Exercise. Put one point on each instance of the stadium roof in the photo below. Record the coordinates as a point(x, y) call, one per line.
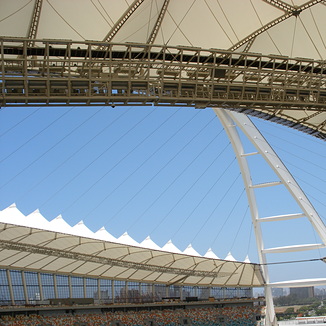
point(283, 28)
point(34, 244)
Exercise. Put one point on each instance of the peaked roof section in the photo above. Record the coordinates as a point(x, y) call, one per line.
point(149, 243)
point(169, 246)
point(103, 234)
point(58, 224)
point(210, 254)
point(55, 248)
point(191, 251)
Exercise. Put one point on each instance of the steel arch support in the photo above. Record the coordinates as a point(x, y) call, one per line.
point(230, 120)
point(226, 118)
point(257, 139)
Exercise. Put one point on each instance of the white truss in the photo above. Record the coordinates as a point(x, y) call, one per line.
point(230, 121)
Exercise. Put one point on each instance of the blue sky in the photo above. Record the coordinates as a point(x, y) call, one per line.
point(166, 172)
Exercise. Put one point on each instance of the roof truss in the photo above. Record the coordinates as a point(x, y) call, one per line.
point(280, 5)
point(295, 12)
point(35, 22)
point(158, 23)
point(126, 15)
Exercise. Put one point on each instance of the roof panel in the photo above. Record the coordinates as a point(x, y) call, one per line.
point(15, 259)
point(58, 264)
point(81, 267)
point(39, 263)
point(139, 26)
point(5, 253)
point(15, 14)
point(62, 242)
point(99, 271)
point(84, 256)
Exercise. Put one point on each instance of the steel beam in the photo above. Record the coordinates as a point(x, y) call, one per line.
point(34, 22)
point(295, 12)
point(158, 22)
point(71, 73)
point(126, 15)
point(280, 5)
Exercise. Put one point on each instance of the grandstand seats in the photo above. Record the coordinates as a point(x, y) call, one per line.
point(228, 316)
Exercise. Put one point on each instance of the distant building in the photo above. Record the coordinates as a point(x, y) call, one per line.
point(278, 292)
point(320, 292)
point(104, 295)
point(304, 292)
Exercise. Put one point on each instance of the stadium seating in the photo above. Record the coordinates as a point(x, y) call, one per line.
point(227, 316)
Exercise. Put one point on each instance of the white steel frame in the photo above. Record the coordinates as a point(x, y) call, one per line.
point(230, 120)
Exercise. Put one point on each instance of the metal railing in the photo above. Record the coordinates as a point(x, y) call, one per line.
point(55, 72)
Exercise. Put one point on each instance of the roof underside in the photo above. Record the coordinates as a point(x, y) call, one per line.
point(288, 28)
point(265, 26)
point(74, 252)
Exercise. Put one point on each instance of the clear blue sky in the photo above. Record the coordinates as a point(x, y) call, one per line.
point(169, 173)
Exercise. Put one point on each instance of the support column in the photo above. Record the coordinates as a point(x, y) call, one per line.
point(10, 287)
point(24, 287)
point(153, 292)
point(40, 286)
point(70, 286)
point(113, 294)
point(126, 292)
point(55, 286)
point(99, 293)
point(84, 284)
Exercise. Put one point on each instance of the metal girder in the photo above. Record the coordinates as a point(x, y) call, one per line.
point(249, 44)
point(280, 5)
point(34, 22)
point(309, 116)
point(120, 22)
point(272, 87)
point(310, 4)
point(295, 12)
point(260, 31)
point(158, 22)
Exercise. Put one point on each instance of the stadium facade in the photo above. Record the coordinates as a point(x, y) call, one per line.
point(33, 288)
